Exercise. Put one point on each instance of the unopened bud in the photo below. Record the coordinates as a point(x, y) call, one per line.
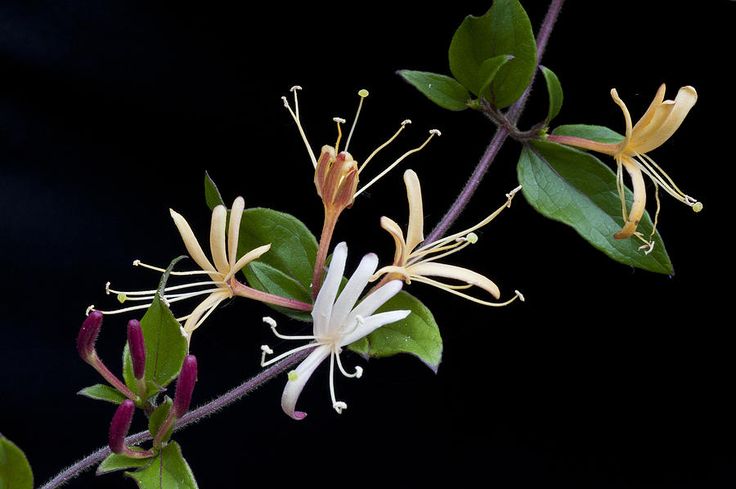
point(88, 335)
point(137, 348)
point(120, 426)
point(185, 386)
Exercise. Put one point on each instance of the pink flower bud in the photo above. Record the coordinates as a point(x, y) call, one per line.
point(137, 348)
point(120, 425)
point(185, 386)
point(88, 335)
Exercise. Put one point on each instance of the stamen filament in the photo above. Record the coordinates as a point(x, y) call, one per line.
point(358, 369)
point(286, 354)
point(272, 323)
point(453, 290)
point(205, 315)
point(432, 133)
point(153, 292)
point(295, 116)
point(458, 245)
point(138, 263)
point(621, 190)
point(390, 140)
point(362, 94)
point(650, 167)
point(337, 405)
point(339, 121)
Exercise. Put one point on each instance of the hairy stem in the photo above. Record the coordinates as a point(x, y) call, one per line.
point(191, 417)
point(501, 135)
point(328, 228)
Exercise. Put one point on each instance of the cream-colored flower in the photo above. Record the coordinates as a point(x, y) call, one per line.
point(414, 261)
point(656, 126)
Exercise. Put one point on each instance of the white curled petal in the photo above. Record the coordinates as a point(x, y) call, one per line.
point(432, 269)
point(217, 238)
point(352, 290)
point(322, 309)
point(190, 242)
point(298, 379)
point(372, 323)
point(375, 300)
point(236, 215)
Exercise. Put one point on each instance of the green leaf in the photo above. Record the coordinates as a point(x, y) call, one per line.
point(488, 71)
point(577, 189)
point(102, 392)
point(15, 471)
point(115, 462)
point(158, 416)
point(211, 192)
point(169, 470)
point(503, 30)
point(264, 277)
point(166, 348)
point(417, 334)
point(443, 90)
point(600, 134)
point(294, 246)
point(554, 90)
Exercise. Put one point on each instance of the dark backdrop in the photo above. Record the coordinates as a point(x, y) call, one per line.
point(111, 111)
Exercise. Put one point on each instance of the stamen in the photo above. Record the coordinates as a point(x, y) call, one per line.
point(339, 406)
point(358, 370)
point(621, 189)
point(138, 263)
point(339, 121)
point(453, 290)
point(286, 354)
point(297, 121)
point(404, 123)
point(362, 94)
point(658, 175)
point(265, 350)
point(151, 293)
point(656, 217)
point(432, 133)
point(272, 323)
point(458, 245)
point(118, 311)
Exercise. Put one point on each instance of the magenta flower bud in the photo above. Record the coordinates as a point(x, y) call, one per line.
point(137, 348)
point(120, 426)
point(185, 386)
point(88, 335)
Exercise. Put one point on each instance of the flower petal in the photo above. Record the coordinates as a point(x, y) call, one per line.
point(415, 231)
point(217, 238)
point(646, 119)
point(627, 118)
point(298, 379)
point(372, 323)
point(676, 111)
point(210, 302)
point(639, 203)
point(375, 300)
point(351, 292)
point(236, 215)
point(431, 269)
point(253, 254)
point(401, 251)
point(322, 309)
point(191, 243)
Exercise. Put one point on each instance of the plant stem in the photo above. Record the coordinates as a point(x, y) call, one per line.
point(328, 228)
point(501, 135)
point(191, 417)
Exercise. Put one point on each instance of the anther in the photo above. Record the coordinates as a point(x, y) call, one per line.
point(107, 288)
point(270, 321)
point(471, 238)
point(339, 406)
point(295, 88)
point(89, 309)
point(405, 122)
point(339, 120)
point(697, 206)
point(358, 372)
point(362, 93)
point(266, 349)
point(435, 132)
point(520, 296)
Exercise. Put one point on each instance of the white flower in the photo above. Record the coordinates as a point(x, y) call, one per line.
point(338, 322)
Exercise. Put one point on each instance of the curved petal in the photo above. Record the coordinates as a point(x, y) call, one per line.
point(298, 379)
point(372, 323)
point(677, 111)
point(401, 252)
point(253, 254)
point(375, 300)
point(651, 111)
point(401, 271)
point(431, 269)
point(351, 292)
point(191, 243)
point(322, 309)
point(236, 215)
point(217, 238)
point(627, 118)
point(639, 203)
point(210, 302)
point(415, 231)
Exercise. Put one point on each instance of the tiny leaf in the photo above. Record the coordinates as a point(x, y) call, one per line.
point(443, 90)
point(166, 348)
point(488, 71)
point(168, 470)
point(600, 134)
point(102, 392)
point(503, 30)
point(417, 334)
point(576, 188)
point(211, 192)
point(158, 416)
point(263, 276)
point(554, 90)
point(115, 462)
point(15, 471)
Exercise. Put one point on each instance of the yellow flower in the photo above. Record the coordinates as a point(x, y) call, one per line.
point(413, 262)
point(656, 126)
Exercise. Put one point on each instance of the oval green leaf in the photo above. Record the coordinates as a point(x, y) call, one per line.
point(15, 471)
point(503, 30)
point(266, 278)
point(115, 462)
point(168, 470)
point(102, 392)
point(577, 189)
point(417, 334)
point(554, 92)
point(158, 416)
point(443, 90)
point(600, 134)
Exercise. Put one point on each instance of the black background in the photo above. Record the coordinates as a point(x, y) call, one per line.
point(607, 377)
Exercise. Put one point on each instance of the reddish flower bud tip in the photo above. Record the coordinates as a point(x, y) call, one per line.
point(137, 348)
point(120, 426)
point(88, 335)
point(185, 386)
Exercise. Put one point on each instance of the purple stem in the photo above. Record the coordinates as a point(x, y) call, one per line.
point(499, 138)
point(191, 417)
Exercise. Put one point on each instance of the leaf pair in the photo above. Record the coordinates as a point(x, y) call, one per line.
point(167, 470)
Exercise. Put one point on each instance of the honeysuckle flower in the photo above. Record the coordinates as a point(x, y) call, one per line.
point(220, 271)
point(417, 261)
point(337, 173)
point(656, 126)
point(338, 322)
